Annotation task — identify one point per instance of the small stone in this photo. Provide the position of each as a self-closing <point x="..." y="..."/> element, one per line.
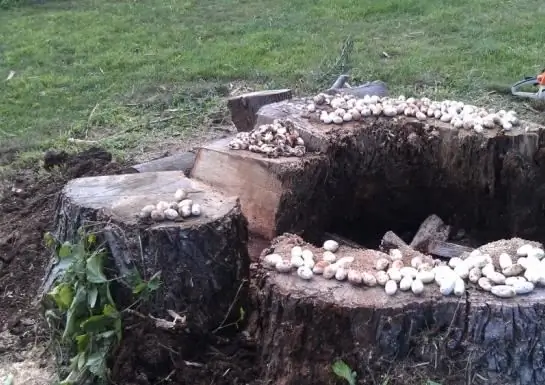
<point x="485" y="284"/>
<point x="331" y="245"/>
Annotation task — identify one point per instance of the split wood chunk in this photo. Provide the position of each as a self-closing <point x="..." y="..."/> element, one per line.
<point x="433" y="228"/>
<point x="203" y="260"/>
<point x="178" y="162"/>
<point x="323" y="319"/>
<point x="277" y="194"/>
<point x="391" y="241"/>
<point x="446" y="249"/>
<point x="244" y="107"/>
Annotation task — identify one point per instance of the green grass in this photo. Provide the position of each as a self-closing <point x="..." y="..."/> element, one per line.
<point x="110" y="70"/>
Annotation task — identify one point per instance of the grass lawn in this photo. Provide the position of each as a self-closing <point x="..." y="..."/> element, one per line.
<point x="131" y="73"/>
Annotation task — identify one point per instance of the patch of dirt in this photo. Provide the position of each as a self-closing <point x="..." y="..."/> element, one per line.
<point x="27" y="204"/>
<point x="170" y="358"/>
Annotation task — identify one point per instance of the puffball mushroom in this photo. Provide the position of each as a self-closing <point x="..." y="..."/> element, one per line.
<point x="157" y="215"/>
<point x="390" y="287"/>
<point x="185" y="211"/>
<point x="196" y="209"/>
<point x="180" y="194"/>
<point x="283" y="267"/>
<point x="304" y="273"/>
<point x="146" y="211"/>
<point x="331" y="245"/>
<point x="272" y="260"/>
<point x="171" y="214"/>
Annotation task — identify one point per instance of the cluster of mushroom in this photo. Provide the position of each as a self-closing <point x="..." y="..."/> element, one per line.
<point x="345" y="108"/>
<point x="179" y="208"/>
<point x="273" y="140"/>
<point x="391" y="273"/>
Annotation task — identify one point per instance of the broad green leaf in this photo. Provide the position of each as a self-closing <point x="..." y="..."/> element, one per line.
<point x="65" y="250"/>
<point x="63" y="295"/>
<point x="92" y="297"/>
<point x="430" y="382"/>
<point x="342" y="370"/>
<point x="97" y="323"/>
<point x="155" y="281"/>
<point x="82" y="342"/>
<point x="242" y="314"/>
<point x="118" y="328"/>
<point x="78" y="306"/>
<point x="91" y="239"/>
<point x="97" y="364"/>
<point x="106" y="335"/>
<point x="81" y="360"/>
<point x="139" y="288"/>
<point x="94" y="269"/>
<point x="109" y="310"/>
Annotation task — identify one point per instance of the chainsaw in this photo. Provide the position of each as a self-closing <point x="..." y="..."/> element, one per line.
<point x="538" y="81"/>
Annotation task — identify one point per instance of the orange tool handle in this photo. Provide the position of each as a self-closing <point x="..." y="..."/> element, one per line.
<point x="541" y="79"/>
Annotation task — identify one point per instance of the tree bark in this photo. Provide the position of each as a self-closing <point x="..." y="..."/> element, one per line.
<point x="304" y="326"/>
<point x="203" y="260"/>
<point x="244" y="107"/>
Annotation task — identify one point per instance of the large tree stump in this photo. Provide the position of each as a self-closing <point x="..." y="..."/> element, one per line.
<point x="391" y="173"/>
<point x="277" y="195"/>
<point x="244" y="107"/>
<point x="304" y="326"/>
<point x="203" y="260"/>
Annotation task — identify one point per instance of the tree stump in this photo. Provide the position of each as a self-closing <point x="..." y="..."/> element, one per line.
<point x="304" y="326"/>
<point x="203" y="260"/>
<point x="244" y="107"/>
<point x="391" y="173"/>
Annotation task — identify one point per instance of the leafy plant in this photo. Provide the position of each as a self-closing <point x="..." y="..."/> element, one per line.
<point x="342" y="370"/>
<point x="82" y="310"/>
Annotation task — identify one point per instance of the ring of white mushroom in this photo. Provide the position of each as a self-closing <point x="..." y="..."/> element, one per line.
<point x="179" y="208"/>
<point x="340" y="108"/>
<point x="512" y="279"/>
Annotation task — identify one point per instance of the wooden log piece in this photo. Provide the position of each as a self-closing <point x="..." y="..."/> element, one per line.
<point x="433" y="228"/>
<point x="203" y="260"/>
<point x="182" y="161"/>
<point x="277" y="194"/>
<point x="244" y="107"/>
<point x="391" y="241"/>
<point x="306" y="325"/>
<point x="446" y="249"/>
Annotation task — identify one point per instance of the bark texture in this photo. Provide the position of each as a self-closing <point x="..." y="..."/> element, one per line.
<point x="304" y="326"/>
<point x="203" y="261"/>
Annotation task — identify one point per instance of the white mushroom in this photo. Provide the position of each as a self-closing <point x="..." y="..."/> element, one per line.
<point x="304" y="273"/>
<point x="390" y="287"/>
<point x="331" y="245"/>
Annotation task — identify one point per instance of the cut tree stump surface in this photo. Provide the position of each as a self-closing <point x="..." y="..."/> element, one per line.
<point x="304" y="326"/>
<point x="203" y="260"/>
